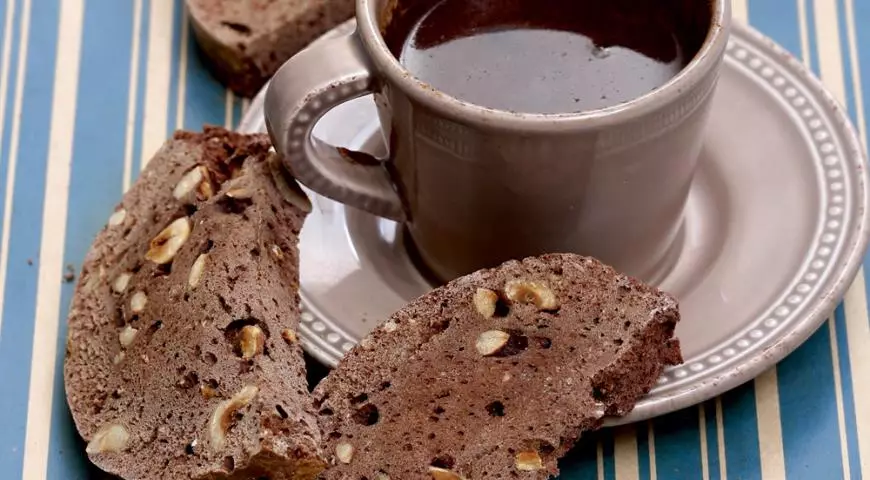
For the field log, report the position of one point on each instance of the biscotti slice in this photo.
(246, 41)
(496, 374)
(182, 360)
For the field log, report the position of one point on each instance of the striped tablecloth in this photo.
(90, 88)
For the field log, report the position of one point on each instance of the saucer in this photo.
(775, 229)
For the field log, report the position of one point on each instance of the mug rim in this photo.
(388, 67)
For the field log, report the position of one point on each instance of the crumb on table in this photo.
(69, 273)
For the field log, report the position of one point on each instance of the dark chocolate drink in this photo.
(547, 56)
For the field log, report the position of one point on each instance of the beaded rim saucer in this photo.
(762, 293)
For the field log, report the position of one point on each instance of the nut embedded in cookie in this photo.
(485, 301)
(127, 335)
(527, 291)
(251, 341)
(167, 243)
(277, 252)
(207, 391)
(109, 438)
(118, 358)
(197, 179)
(491, 341)
(223, 415)
(121, 282)
(444, 474)
(117, 217)
(529, 461)
(344, 452)
(138, 302)
(196, 270)
(289, 336)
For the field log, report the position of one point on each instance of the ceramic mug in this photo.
(477, 186)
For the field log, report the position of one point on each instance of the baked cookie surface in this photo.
(247, 41)
(181, 358)
(496, 374)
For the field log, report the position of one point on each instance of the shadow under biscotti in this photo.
(316, 371)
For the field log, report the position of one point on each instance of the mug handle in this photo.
(306, 87)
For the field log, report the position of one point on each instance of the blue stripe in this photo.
(712, 439)
(808, 407)
(813, 52)
(20, 299)
(862, 44)
(807, 396)
(742, 455)
(582, 462)
(10, 437)
(862, 41)
(237, 112)
(840, 314)
(95, 183)
(206, 97)
(644, 461)
(608, 443)
(8, 115)
(678, 445)
(141, 78)
(848, 398)
(778, 20)
(806, 388)
(10, 85)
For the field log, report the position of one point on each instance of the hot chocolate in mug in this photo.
(478, 184)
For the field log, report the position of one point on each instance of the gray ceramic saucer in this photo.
(775, 230)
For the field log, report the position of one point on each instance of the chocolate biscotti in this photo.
(496, 374)
(246, 41)
(181, 359)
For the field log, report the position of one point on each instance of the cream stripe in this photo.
(182, 69)
(229, 102)
(802, 28)
(54, 213)
(828, 45)
(831, 69)
(625, 453)
(651, 439)
(838, 394)
(599, 459)
(740, 10)
(10, 169)
(720, 440)
(766, 388)
(157, 79)
(133, 90)
(857, 324)
(769, 426)
(858, 339)
(856, 69)
(702, 429)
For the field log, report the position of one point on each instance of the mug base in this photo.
(653, 273)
